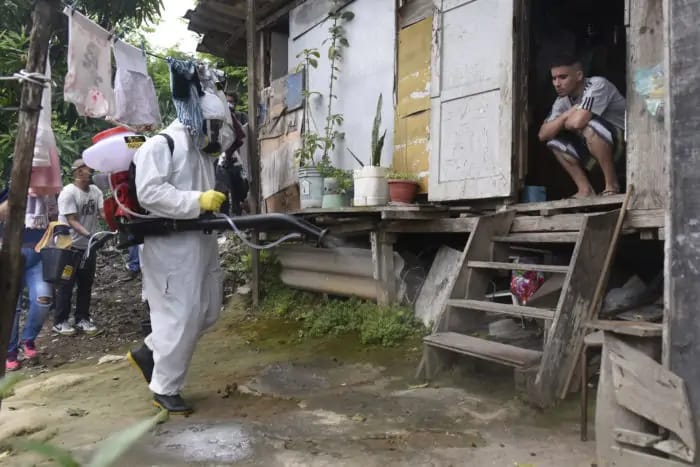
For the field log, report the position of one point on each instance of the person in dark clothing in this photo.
(231, 178)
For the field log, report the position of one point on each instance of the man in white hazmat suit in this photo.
(182, 279)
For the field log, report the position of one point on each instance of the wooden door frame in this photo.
(521, 99)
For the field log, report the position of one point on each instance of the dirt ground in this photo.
(264, 398)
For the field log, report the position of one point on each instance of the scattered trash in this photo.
(110, 359)
(419, 386)
(358, 418)
(76, 412)
(229, 390)
(243, 290)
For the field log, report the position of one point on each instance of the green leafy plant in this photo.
(403, 176)
(108, 452)
(377, 141)
(314, 141)
(375, 325)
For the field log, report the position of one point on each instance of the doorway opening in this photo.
(594, 32)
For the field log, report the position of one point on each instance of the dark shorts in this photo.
(574, 145)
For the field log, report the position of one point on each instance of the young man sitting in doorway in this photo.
(586, 124)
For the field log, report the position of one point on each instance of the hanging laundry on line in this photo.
(88, 82)
(136, 101)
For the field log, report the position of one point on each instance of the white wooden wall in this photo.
(367, 70)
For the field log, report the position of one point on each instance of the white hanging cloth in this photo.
(136, 100)
(45, 139)
(88, 82)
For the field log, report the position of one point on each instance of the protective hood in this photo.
(218, 134)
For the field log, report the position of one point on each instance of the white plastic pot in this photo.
(371, 186)
(310, 188)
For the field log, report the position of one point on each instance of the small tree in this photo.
(313, 141)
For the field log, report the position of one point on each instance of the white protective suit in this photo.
(182, 279)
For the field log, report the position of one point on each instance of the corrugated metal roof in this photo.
(222, 25)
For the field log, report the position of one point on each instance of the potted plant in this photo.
(337, 183)
(403, 187)
(371, 187)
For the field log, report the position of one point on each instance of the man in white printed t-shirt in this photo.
(586, 124)
(79, 205)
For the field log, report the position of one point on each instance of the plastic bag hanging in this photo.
(136, 101)
(45, 139)
(46, 167)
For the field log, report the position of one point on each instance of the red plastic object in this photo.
(107, 133)
(111, 206)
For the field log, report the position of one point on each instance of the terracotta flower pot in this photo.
(402, 191)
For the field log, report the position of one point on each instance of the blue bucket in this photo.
(534, 194)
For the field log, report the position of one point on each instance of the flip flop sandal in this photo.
(609, 193)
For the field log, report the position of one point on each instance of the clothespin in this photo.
(143, 47)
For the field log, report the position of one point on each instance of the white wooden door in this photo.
(471, 96)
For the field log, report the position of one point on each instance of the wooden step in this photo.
(539, 237)
(502, 308)
(518, 266)
(487, 350)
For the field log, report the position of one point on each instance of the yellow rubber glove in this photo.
(211, 200)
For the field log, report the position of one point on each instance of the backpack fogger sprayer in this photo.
(112, 154)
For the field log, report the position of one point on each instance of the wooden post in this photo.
(253, 157)
(11, 261)
(383, 262)
(682, 274)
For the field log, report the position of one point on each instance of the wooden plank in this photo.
(629, 328)
(625, 457)
(563, 346)
(573, 203)
(562, 223)
(636, 438)
(471, 283)
(254, 198)
(675, 448)
(502, 308)
(547, 296)
(646, 145)
(682, 270)
(487, 350)
(415, 11)
(644, 387)
(459, 225)
(518, 266)
(539, 237)
(609, 415)
(594, 307)
(383, 262)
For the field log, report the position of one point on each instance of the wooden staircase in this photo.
(567, 295)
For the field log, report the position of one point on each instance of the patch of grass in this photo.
(385, 326)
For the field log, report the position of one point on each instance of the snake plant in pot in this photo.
(371, 186)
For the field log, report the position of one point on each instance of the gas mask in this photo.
(217, 134)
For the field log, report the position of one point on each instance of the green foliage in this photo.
(314, 141)
(73, 133)
(60, 456)
(385, 326)
(377, 141)
(108, 451)
(7, 385)
(403, 176)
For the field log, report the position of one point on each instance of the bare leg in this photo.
(602, 151)
(573, 168)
